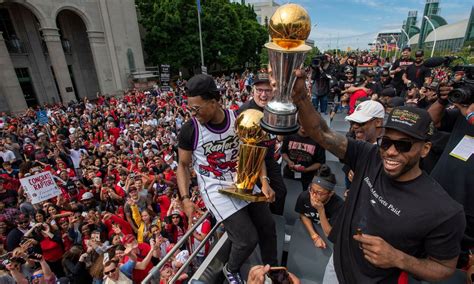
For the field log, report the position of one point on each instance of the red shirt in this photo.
(353, 99)
(52, 251)
(165, 204)
(139, 275)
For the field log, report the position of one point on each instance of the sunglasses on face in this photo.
(361, 124)
(37, 276)
(402, 146)
(110, 271)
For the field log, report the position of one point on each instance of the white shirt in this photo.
(76, 156)
(7, 155)
(214, 161)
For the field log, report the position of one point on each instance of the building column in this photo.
(58, 62)
(10, 86)
(102, 62)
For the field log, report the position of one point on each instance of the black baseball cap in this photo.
(419, 53)
(262, 77)
(414, 122)
(201, 84)
(388, 92)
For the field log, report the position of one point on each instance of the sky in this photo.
(355, 23)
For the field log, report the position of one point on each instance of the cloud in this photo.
(370, 3)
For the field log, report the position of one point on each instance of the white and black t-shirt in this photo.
(417, 217)
(215, 153)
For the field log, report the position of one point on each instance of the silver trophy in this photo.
(289, 27)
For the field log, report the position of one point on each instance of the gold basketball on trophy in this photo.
(289, 26)
(247, 127)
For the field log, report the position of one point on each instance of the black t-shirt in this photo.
(303, 206)
(417, 74)
(454, 175)
(302, 151)
(187, 133)
(397, 81)
(417, 217)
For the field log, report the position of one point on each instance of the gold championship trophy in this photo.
(289, 27)
(251, 156)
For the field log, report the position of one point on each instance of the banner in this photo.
(165, 77)
(40, 187)
(42, 117)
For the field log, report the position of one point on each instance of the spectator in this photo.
(303, 157)
(390, 180)
(262, 94)
(319, 205)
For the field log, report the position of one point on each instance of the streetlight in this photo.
(396, 45)
(434, 30)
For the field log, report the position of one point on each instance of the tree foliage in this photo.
(230, 32)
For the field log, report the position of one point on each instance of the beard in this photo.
(406, 168)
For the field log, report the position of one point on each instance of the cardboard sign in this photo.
(40, 187)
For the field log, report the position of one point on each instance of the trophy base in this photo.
(279, 119)
(287, 130)
(233, 192)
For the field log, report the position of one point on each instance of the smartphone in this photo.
(279, 275)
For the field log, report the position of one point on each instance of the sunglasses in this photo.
(402, 146)
(24, 222)
(37, 276)
(363, 123)
(110, 271)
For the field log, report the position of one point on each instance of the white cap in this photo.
(366, 111)
(87, 195)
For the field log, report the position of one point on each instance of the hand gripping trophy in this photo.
(251, 157)
(289, 27)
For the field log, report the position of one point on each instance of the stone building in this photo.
(61, 50)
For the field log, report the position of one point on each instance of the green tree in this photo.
(313, 52)
(230, 32)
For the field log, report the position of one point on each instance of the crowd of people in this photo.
(133, 176)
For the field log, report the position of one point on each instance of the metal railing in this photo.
(155, 270)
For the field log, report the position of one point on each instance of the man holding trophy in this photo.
(209, 142)
(262, 93)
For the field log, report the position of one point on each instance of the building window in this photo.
(6, 25)
(26, 85)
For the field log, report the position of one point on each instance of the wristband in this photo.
(471, 120)
(469, 115)
(443, 102)
(184, 197)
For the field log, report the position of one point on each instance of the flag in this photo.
(198, 2)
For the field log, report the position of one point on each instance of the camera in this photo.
(316, 61)
(463, 92)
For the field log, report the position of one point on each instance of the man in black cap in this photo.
(261, 95)
(209, 144)
(417, 73)
(399, 68)
(392, 220)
